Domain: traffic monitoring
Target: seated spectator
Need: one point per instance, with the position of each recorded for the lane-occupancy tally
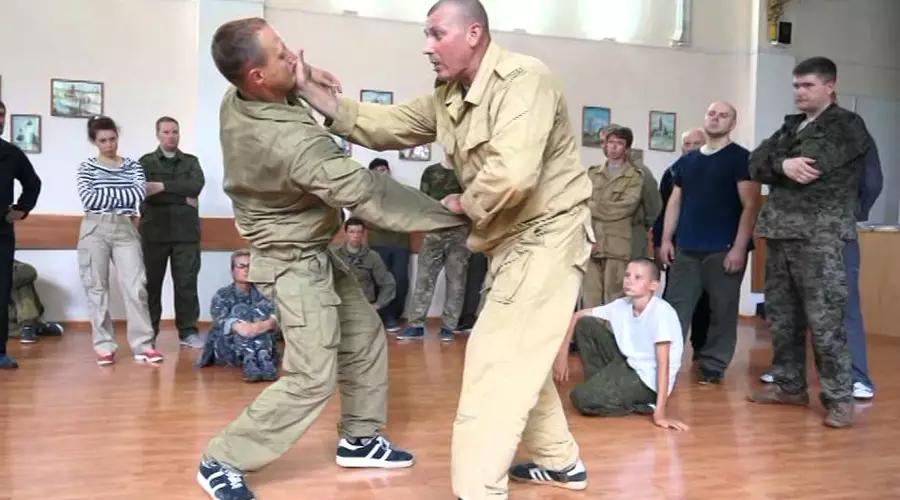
(244, 327)
(630, 348)
(377, 282)
(26, 308)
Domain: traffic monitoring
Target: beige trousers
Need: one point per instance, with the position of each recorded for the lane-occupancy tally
(106, 239)
(333, 338)
(508, 392)
(603, 281)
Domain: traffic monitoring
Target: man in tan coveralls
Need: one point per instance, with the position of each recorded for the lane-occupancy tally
(618, 190)
(503, 122)
(288, 181)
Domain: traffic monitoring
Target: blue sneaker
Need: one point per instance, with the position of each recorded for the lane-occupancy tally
(412, 333)
(8, 362)
(222, 482)
(573, 478)
(446, 335)
(374, 452)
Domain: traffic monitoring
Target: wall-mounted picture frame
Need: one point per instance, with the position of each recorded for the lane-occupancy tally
(25, 132)
(345, 145)
(661, 131)
(76, 98)
(593, 119)
(418, 153)
(376, 96)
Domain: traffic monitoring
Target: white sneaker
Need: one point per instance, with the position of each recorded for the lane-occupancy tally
(767, 377)
(862, 391)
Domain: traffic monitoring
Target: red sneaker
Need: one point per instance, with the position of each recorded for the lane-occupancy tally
(149, 355)
(106, 359)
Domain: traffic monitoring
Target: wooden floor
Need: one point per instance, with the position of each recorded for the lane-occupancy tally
(72, 430)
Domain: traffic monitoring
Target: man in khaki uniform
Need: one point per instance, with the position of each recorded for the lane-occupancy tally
(288, 181)
(617, 194)
(503, 123)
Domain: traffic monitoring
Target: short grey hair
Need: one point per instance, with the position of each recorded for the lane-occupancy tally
(243, 252)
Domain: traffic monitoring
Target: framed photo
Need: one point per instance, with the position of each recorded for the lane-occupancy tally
(25, 132)
(593, 118)
(75, 98)
(661, 131)
(342, 143)
(418, 153)
(376, 96)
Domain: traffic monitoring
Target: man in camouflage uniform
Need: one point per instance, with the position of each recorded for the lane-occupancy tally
(440, 249)
(26, 308)
(377, 282)
(617, 192)
(170, 230)
(813, 165)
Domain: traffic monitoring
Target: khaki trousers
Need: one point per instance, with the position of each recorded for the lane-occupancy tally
(603, 281)
(105, 239)
(333, 337)
(508, 392)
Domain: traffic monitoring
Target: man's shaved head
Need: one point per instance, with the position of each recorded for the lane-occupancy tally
(470, 11)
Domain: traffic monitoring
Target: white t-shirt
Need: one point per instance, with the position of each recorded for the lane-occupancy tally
(637, 336)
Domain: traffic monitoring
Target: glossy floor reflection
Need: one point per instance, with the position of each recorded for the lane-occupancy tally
(72, 430)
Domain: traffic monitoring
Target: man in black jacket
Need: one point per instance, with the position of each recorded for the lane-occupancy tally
(14, 165)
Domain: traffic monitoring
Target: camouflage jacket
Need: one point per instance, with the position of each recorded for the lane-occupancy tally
(838, 141)
(377, 282)
(167, 217)
(438, 182)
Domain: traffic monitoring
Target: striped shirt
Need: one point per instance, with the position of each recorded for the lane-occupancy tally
(111, 190)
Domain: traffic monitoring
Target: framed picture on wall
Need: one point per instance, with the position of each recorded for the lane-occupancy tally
(75, 98)
(593, 118)
(376, 96)
(661, 131)
(25, 132)
(418, 153)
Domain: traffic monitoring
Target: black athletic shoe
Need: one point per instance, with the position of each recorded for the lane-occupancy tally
(707, 377)
(222, 482)
(372, 452)
(29, 335)
(573, 478)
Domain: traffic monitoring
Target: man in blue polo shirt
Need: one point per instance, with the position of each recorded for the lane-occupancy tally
(713, 206)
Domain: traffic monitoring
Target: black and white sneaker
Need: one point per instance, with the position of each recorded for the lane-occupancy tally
(222, 482)
(573, 478)
(372, 452)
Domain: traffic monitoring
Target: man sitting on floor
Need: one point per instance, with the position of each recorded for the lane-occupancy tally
(629, 348)
(26, 308)
(244, 327)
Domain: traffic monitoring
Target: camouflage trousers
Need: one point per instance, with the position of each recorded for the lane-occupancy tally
(806, 288)
(441, 249)
(611, 387)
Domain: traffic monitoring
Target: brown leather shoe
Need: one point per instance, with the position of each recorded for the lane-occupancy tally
(840, 415)
(774, 395)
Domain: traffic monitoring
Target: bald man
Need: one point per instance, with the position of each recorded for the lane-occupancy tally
(502, 120)
(713, 207)
(691, 140)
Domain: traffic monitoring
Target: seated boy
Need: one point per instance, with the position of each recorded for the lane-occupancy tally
(244, 327)
(629, 348)
(26, 308)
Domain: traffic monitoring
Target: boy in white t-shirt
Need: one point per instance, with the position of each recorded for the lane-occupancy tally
(629, 348)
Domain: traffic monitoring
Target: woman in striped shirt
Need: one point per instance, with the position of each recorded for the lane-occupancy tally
(111, 189)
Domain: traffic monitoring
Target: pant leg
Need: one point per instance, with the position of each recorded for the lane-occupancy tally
(592, 337)
(724, 292)
(475, 272)
(7, 257)
(506, 388)
(129, 262)
(307, 307)
(185, 269)
(613, 277)
(428, 268)
(592, 285)
(362, 358)
(94, 254)
(684, 284)
(455, 267)
(785, 315)
(853, 319)
(156, 259)
(700, 323)
(823, 282)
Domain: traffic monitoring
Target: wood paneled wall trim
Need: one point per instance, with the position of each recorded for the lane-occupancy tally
(60, 232)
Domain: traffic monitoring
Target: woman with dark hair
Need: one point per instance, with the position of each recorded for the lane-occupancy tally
(111, 189)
